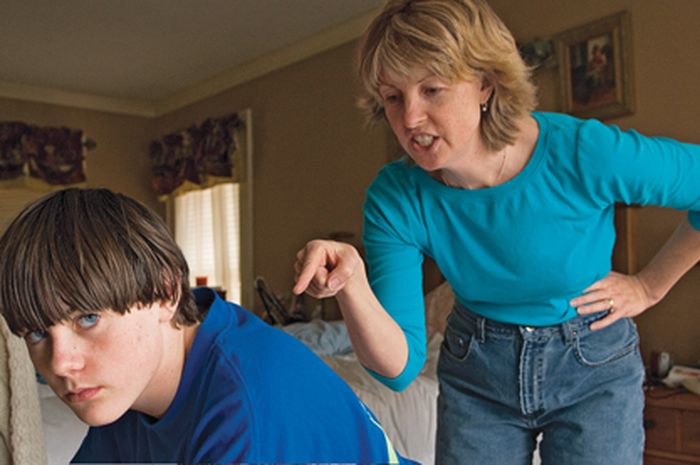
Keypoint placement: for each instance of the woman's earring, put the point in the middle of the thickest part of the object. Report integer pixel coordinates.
(484, 107)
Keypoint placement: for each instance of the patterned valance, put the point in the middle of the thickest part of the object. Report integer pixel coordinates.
(202, 156)
(54, 155)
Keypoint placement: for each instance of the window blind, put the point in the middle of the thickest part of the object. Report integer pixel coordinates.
(207, 229)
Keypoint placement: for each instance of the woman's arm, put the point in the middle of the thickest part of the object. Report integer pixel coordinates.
(327, 269)
(628, 296)
(680, 253)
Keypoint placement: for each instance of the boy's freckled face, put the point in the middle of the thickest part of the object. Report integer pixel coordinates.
(104, 364)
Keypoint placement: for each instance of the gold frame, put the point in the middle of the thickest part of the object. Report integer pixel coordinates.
(597, 85)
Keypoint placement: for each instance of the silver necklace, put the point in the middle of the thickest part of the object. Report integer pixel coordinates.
(499, 174)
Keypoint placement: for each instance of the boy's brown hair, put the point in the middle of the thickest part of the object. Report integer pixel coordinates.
(89, 250)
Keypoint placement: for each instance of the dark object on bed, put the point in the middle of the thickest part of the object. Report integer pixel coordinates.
(275, 311)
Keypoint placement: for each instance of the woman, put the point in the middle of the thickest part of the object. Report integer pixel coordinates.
(516, 207)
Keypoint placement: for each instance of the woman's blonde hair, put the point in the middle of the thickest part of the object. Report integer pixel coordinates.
(455, 40)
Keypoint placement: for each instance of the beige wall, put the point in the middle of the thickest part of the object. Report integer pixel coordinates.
(119, 161)
(313, 158)
(666, 51)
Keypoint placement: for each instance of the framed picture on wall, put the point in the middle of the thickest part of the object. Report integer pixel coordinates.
(595, 67)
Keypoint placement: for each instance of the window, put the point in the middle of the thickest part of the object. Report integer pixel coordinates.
(207, 229)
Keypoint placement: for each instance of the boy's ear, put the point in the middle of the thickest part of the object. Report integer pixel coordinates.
(167, 309)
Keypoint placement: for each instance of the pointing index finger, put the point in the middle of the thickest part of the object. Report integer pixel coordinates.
(311, 261)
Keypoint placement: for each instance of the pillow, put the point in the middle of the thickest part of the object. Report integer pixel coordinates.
(329, 338)
(325, 338)
(438, 305)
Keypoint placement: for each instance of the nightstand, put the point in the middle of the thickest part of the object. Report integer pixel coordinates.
(672, 425)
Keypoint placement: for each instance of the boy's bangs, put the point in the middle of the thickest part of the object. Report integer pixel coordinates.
(30, 309)
(80, 258)
(47, 288)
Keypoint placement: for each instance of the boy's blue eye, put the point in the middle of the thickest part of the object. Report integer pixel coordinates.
(36, 336)
(87, 321)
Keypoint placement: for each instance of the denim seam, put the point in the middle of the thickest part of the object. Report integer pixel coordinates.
(626, 350)
(623, 352)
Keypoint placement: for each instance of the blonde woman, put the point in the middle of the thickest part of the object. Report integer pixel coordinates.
(516, 207)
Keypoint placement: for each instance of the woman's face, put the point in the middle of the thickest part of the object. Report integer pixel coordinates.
(436, 122)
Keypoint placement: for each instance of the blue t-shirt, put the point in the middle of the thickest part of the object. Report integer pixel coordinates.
(519, 251)
(249, 393)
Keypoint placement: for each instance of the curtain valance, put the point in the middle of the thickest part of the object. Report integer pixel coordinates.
(196, 157)
(53, 155)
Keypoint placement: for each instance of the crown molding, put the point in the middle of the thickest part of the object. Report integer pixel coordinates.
(50, 96)
(305, 48)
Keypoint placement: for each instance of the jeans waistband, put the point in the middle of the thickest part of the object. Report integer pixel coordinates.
(480, 326)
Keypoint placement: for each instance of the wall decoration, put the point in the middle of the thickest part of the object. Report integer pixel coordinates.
(595, 66)
(54, 156)
(196, 157)
(538, 53)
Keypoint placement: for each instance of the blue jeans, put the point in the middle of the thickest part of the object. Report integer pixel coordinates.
(501, 385)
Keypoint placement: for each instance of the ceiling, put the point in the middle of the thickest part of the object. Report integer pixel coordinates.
(151, 56)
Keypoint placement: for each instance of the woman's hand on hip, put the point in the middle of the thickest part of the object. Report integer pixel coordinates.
(323, 268)
(623, 296)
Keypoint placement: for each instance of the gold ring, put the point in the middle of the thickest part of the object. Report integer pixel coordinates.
(611, 303)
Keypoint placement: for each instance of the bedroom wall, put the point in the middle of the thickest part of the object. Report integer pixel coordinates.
(119, 162)
(312, 157)
(666, 65)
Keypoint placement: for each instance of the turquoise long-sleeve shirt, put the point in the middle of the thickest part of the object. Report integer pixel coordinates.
(519, 251)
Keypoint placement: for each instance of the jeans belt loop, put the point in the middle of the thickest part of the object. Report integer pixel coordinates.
(481, 329)
(569, 331)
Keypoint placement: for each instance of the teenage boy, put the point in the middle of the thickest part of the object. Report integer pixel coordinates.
(94, 283)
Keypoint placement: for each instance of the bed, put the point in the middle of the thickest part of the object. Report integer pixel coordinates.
(409, 418)
(63, 431)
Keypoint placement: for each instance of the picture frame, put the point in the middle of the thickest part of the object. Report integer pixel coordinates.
(595, 68)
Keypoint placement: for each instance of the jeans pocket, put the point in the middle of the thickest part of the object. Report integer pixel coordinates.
(595, 348)
(456, 344)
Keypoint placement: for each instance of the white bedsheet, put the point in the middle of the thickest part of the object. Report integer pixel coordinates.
(63, 431)
(409, 417)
